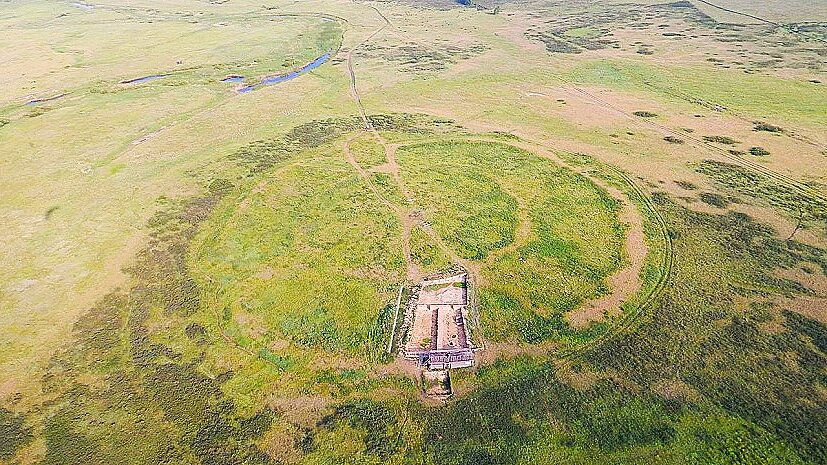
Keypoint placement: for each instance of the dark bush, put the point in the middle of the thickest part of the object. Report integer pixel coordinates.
(645, 114)
(760, 126)
(721, 140)
(14, 433)
(716, 200)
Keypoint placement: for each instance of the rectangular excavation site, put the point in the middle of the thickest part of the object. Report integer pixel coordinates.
(438, 335)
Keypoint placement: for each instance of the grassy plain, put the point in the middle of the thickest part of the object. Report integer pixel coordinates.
(83, 173)
(190, 275)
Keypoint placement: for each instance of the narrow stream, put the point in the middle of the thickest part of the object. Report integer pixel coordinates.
(288, 76)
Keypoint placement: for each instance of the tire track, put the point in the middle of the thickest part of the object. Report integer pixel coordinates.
(354, 89)
(740, 13)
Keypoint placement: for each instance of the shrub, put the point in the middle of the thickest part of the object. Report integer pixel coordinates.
(720, 140)
(645, 114)
(14, 433)
(759, 126)
(716, 200)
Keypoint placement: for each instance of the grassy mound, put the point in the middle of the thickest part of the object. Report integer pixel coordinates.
(480, 196)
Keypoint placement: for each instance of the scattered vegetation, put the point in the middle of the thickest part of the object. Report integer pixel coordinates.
(714, 199)
(787, 198)
(553, 43)
(144, 377)
(14, 432)
(264, 154)
(251, 328)
(727, 357)
(423, 58)
(720, 140)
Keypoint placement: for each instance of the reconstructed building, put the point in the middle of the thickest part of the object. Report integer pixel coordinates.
(438, 335)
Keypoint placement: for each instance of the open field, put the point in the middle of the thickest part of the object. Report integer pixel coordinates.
(196, 272)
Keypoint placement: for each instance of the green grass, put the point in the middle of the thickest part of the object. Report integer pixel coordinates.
(367, 152)
(583, 33)
(426, 254)
(760, 96)
(330, 261)
(468, 208)
(764, 189)
(248, 324)
(14, 432)
(694, 383)
(105, 153)
(471, 192)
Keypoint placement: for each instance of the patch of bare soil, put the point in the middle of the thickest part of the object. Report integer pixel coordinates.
(254, 324)
(385, 168)
(507, 350)
(811, 307)
(437, 384)
(9, 387)
(398, 366)
(266, 273)
(280, 445)
(675, 389)
(810, 276)
(303, 410)
(807, 274)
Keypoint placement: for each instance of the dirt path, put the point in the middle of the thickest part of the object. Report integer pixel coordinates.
(624, 282)
(739, 13)
(354, 90)
(404, 215)
(393, 165)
